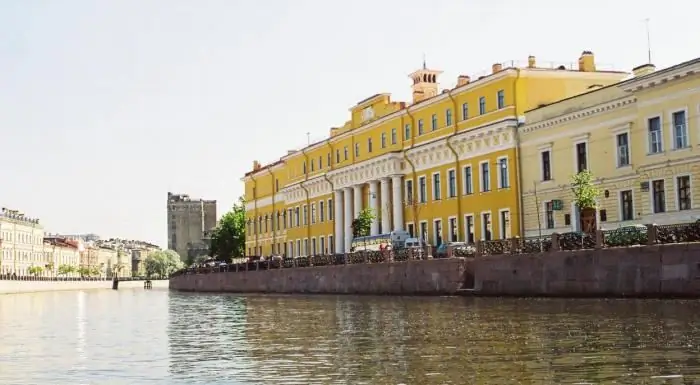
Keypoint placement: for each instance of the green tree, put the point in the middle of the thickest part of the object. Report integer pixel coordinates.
(585, 193)
(162, 263)
(228, 239)
(66, 269)
(35, 270)
(362, 224)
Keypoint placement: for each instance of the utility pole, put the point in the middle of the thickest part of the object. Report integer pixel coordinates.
(646, 22)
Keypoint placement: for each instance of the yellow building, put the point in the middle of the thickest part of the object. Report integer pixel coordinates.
(639, 139)
(443, 167)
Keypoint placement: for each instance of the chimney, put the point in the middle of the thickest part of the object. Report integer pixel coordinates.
(463, 80)
(531, 63)
(586, 63)
(256, 165)
(496, 68)
(644, 69)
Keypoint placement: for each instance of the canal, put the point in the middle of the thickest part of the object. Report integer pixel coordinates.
(159, 337)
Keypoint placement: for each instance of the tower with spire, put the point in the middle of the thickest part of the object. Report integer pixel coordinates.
(425, 83)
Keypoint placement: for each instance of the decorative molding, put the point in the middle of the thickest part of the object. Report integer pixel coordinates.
(661, 77)
(668, 97)
(621, 128)
(545, 146)
(538, 140)
(581, 137)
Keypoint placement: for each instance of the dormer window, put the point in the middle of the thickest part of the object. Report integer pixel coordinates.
(367, 113)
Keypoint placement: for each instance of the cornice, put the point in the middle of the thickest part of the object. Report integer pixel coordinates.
(661, 77)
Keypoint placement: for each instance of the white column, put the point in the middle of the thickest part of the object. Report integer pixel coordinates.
(385, 207)
(357, 196)
(338, 215)
(373, 205)
(347, 219)
(397, 201)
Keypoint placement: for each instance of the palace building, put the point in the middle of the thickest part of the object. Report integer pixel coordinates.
(443, 167)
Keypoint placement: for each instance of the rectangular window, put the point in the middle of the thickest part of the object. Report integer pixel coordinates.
(337, 156)
(486, 226)
(296, 216)
(468, 182)
(313, 213)
(452, 183)
(411, 230)
(684, 196)
(501, 99)
(549, 214)
(680, 130)
(346, 152)
(369, 145)
(407, 132)
(420, 126)
(437, 228)
(623, 150)
(433, 122)
(331, 245)
(655, 137)
(321, 211)
(437, 191)
(581, 157)
(469, 229)
(503, 177)
(329, 159)
(409, 192)
(627, 206)
(383, 139)
(453, 229)
(482, 105)
(299, 247)
(322, 245)
(305, 218)
(448, 117)
(277, 185)
(393, 136)
(303, 168)
(659, 196)
(306, 247)
(320, 162)
(485, 177)
(465, 111)
(424, 231)
(546, 166)
(313, 246)
(422, 190)
(330, 209)
(357, 150)
(291, 218)
(505, 224)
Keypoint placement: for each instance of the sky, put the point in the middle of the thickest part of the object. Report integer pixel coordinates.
(105, 106)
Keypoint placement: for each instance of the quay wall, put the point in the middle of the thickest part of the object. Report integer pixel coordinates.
(671, 270)
(427, 277)
(18, 287)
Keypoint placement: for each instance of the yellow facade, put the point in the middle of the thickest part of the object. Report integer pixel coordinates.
(410, 163)
(640, 140)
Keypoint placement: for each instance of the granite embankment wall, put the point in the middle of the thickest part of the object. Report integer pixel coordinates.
(17, 287)
(436, 277)
(671, 270)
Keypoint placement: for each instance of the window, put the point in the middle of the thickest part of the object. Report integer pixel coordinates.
(346, 152)
(303, 168)
(409, 192)
(369, 145)
(421, 190)
(357, 149)
(437, 228)
(626, 206)
(451, 183)
(505, 224)
(486, 226)
(313, 246)
(448, 117)
(329, 159)
(320, 162)
(485, 177)
(393, 136)
(306, 246)
(411, 230)
(322, 245)
(277, 185)
(546, 165)
(337, 156)
(298, 247)
(581, 157)
(313, 165)
(331, 245)
(452, 228)
(305, 218)
(503, 180)
(437, 190)
(684, 196)
(296, 215)
(291, 218)
(468, 182)
(655, 138)
(424, 231)
(465, 111)
(623, 150)
(313, 213)
(680, 130)
(433, 122)
(420, 126)
(501, 99)
(549, 214)
(482, 105)
(321, 214)
(469, 229)
(407, 132)
(658, 196)
(330, 209)
(383, 139)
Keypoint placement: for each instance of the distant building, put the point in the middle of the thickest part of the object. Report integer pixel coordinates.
(188, 222)
(59, 251)
(82, 237)
(21, 242)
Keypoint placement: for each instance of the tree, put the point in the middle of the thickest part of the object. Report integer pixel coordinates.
(585, 193)
(84, 271)
(66, 269)
(162, 263)
(35, 270)
(362, 224)
(228, 238)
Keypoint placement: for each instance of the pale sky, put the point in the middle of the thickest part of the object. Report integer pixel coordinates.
(105, 106)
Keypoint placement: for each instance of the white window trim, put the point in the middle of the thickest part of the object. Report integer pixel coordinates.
(500, 225)
(621, 208)
(305, 245)
(393, 134)
(485, 110)
(329, 246)
(646, 133)
(576, 141)
(675, 191)
(481, 177)
(619, 131)
(483, 224)
(447, 185)
(321, 212)
(471, 179)
(456, 229)
(499, 107)
(554, 217)
(498, 171)
(298, 248)
(432, 185)
(406, 190)
(464, 116)
(547, 147)
(651, 196)
(329, 204)
(322, 244)
(382, 140)
(419, 231)
(466, 228)
(304, 215)
(435, 233)
(672, 133)
(410, 223)
(313, 245)
(419, 191)
(298, 219)
(313, 213)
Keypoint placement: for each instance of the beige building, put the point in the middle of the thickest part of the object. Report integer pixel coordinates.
(59, 252)
(188, 221)
(21, 242)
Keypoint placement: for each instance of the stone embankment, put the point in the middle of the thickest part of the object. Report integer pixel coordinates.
(18, 287)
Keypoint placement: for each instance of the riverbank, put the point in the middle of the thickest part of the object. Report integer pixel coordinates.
(19, 287)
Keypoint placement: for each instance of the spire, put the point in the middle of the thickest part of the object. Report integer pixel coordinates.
(425, 66)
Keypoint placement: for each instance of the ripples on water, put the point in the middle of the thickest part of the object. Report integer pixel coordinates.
(156, 337)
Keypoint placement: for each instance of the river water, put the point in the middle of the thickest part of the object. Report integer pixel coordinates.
(158, 337)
